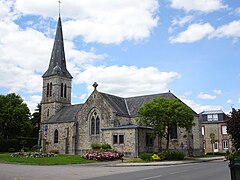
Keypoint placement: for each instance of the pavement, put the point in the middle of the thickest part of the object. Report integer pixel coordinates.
(166, 163)
(125, 162)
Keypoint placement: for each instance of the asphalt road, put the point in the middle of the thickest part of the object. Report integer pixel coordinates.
(214, 170)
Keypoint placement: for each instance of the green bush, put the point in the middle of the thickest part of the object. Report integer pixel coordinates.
(5, 144)
(146, 156)
(26, 149)
(171, 155)
(36, 148)
(106, 146)
(96, 146)
(216, 154)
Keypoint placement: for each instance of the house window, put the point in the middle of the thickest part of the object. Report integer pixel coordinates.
(203, 130)
(65, 90)
(56, 136)
(212, 117)
(224, 129)
(118, 139)
(61, 90)
(173, 132)
(115, 139)
(121, 139)
(225, 144)
(149, 140)
(95, 124)
(48, 113)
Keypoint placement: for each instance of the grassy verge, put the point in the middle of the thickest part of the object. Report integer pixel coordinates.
(59, 159)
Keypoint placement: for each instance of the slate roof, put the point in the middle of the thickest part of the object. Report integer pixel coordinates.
(57, 65)
(128, 107)
(65, 115)
(212, 112)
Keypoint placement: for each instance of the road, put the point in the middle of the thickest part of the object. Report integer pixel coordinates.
(197, 171)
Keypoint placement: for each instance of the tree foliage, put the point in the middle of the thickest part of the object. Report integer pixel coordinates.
(163, 114)
(233, 127)
(35, 120)
(14, 117)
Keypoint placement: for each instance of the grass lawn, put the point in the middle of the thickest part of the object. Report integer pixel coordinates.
(59, 159)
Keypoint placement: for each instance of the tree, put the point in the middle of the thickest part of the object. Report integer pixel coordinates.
(14, 117)
(35, 120)
(164, 114)
(233, 127)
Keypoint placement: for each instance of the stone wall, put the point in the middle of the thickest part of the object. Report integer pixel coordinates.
(65, 138)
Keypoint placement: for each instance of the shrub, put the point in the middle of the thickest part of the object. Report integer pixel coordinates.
(36, 148)
(55, 151)
(146, 156)
(22, 154)
(26, 149)
(5, 144)
(172, 155)
(96, 146)
(106, 146)
(11, 150)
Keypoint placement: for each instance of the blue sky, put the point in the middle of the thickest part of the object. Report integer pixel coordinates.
(129, 47)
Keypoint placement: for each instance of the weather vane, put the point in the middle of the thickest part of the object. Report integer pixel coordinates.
(59, 2)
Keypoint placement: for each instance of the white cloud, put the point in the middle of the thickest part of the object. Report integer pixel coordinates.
(127, 81)
(32, 102)
(237, 11)
(229, 30)
(198, 107)
(100, 21)
(217, 91)
(194, 32)
(198, 5)
(179, 22)
(229, 101)
(25, 56)
(202, 95)
(239, 100)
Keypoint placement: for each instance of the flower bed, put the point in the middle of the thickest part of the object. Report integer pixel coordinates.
(32, 154)
(102, 156)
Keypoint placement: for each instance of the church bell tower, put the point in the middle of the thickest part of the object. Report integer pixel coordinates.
(57, 81)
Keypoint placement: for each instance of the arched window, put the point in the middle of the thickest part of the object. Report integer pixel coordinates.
(47, 89)
(65, 90)
(94, 124)
(97, 125)
(56, 136)
(61, 90)
(50, 89)
(47, 112)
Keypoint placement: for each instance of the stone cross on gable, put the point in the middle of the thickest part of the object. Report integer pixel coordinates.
(95, 85)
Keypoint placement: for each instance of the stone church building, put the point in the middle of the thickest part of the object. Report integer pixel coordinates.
(103, 118)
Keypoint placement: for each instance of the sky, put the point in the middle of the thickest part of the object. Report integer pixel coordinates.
(129, 47)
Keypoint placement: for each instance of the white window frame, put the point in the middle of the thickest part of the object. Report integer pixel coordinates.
(203, 130)
(225, 144)
(224, 129)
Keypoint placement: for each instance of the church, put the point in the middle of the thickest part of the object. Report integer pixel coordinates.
(103, 118)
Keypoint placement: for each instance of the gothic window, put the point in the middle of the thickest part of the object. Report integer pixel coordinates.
(50, 90)
(56, 136)
(47, 112)
(61, 90)
(97, 125)
(65, 90)
(47, 89)
(94, 124)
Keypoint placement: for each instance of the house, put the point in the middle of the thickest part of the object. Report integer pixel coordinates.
(103, 118)
(213, 126)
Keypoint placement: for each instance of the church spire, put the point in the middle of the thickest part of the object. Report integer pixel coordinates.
(57, 65)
